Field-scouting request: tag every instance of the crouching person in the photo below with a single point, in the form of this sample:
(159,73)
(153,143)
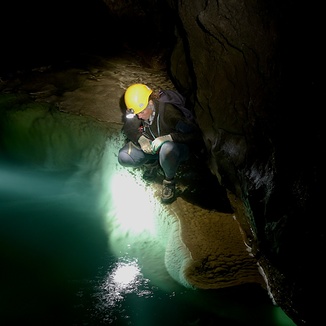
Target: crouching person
(159,136)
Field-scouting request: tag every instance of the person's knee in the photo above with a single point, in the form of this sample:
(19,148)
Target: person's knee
(168,147)
(125,159)
(174,151)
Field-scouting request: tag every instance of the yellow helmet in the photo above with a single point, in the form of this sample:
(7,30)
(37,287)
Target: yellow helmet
(136,97)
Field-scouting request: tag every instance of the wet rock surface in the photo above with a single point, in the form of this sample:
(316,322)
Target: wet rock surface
(94,86)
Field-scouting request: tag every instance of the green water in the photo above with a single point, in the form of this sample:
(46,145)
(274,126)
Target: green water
(59,262)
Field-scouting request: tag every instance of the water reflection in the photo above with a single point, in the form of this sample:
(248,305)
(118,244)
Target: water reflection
(124,278)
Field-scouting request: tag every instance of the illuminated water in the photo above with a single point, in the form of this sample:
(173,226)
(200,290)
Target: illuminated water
(65,259)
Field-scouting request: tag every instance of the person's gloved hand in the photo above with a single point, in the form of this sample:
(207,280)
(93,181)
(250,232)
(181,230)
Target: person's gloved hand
(145,144)
(159,141)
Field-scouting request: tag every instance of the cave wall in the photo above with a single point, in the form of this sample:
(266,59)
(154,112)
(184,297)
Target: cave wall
(253,84)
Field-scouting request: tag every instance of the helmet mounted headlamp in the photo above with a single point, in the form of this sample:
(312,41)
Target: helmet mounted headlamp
(130,113)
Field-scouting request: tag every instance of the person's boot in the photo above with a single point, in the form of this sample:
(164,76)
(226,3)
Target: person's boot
(168,191)
(150,170)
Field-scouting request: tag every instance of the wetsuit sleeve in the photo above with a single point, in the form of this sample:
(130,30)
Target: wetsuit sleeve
(132,129)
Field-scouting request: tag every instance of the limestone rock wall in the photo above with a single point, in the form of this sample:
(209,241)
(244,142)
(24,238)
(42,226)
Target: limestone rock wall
(250,77)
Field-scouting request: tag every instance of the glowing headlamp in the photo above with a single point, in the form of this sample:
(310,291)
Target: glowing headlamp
(130,114)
